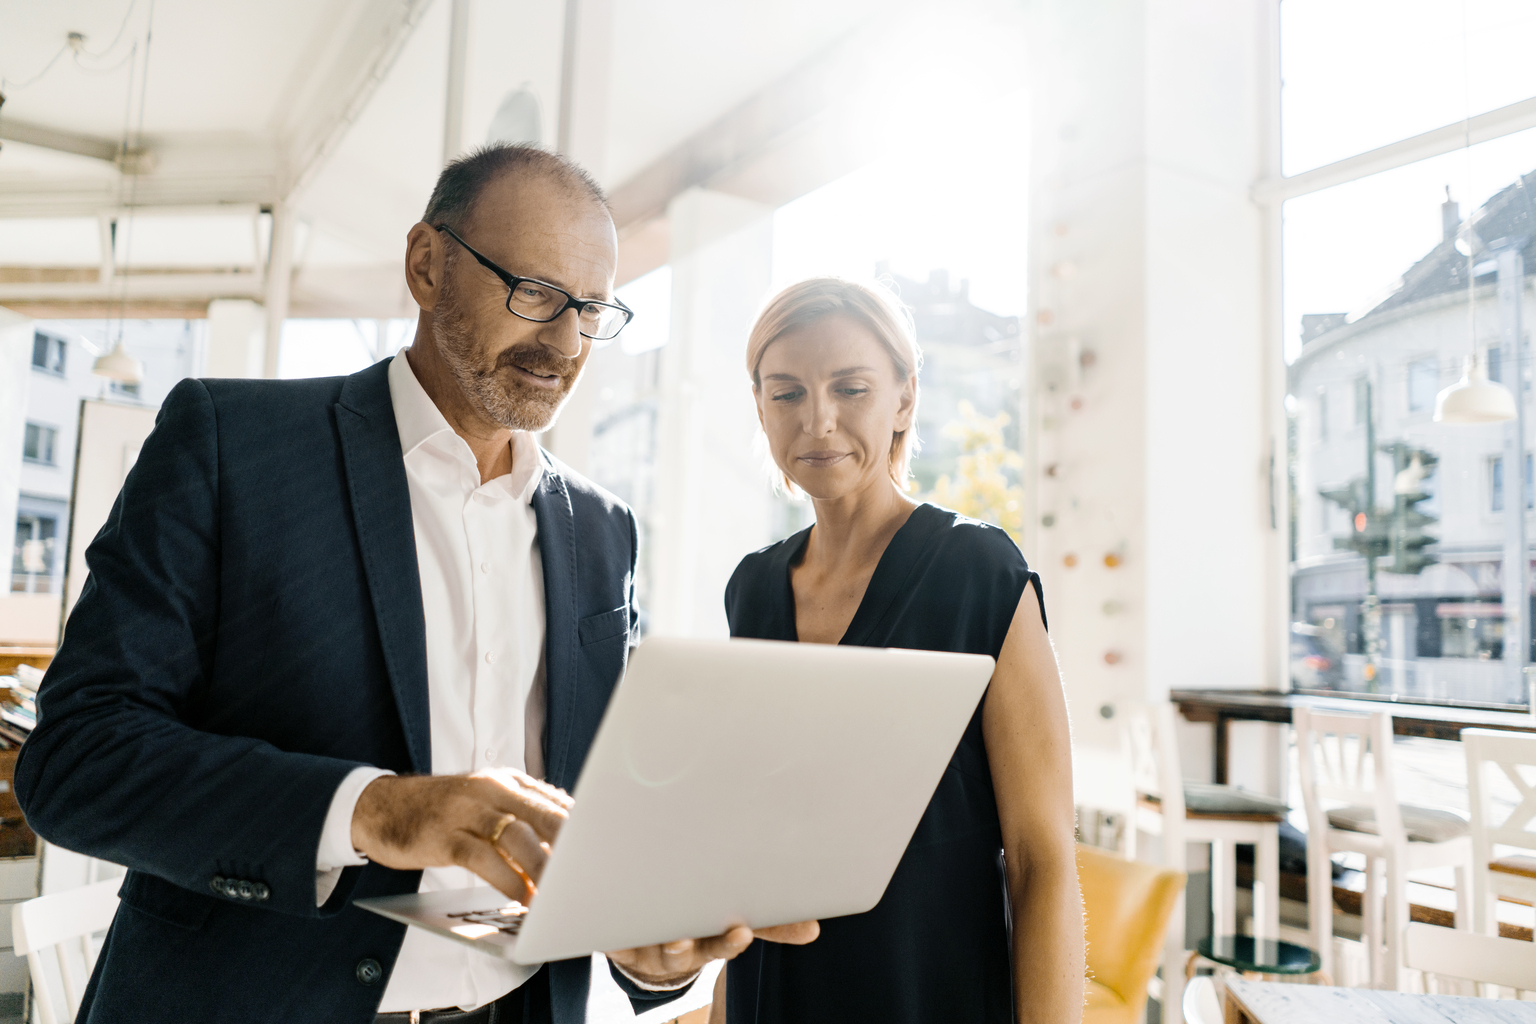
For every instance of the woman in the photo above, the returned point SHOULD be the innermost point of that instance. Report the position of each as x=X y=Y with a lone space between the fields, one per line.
x=834 y=370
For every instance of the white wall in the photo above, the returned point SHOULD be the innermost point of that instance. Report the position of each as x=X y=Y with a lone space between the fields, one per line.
x=712 y=501
x=1146 y=258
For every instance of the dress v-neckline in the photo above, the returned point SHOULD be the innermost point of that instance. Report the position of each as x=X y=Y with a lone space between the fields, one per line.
x=891 y=571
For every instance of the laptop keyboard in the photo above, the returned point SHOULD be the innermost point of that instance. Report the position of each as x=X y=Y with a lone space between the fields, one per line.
x=508 y=920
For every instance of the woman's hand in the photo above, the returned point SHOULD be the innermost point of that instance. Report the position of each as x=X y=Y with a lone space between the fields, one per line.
x=673 y=963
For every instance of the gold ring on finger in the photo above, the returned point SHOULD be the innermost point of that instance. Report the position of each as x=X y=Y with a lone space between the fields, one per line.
x=518 y=868
x=501 y=826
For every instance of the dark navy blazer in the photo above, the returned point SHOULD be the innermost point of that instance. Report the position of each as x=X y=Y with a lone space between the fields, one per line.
x=250 y=632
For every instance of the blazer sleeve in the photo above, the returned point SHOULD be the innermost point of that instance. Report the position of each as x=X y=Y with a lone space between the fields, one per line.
x=114 y=769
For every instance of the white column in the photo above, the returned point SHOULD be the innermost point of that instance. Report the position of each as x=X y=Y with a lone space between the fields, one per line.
x=1146 y=257
x=15 y=386
x=458 y=48
x=712 y=499
x=236 y=338
x=583 y=133
x=279 y=283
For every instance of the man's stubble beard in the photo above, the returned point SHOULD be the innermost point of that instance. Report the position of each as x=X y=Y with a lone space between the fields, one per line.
x=524 y=406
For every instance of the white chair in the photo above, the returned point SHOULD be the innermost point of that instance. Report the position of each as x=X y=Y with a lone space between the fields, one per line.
x=1511 y=875
x=1186 y=812
x=1202 y=1004
x=57 y=935
x=1467 y=956
x=1346 y=760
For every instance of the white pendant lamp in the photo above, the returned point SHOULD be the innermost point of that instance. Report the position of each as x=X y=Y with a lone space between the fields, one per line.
x=119 y=365
x=1474 y=398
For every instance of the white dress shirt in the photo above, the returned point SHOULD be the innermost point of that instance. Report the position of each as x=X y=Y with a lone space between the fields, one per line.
x=482 y=591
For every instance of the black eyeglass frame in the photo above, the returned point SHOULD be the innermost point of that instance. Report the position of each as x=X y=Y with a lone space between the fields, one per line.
x=512 y=280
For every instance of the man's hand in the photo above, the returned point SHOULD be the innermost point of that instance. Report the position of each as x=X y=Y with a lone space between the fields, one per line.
x=675 y=962
x=430 y=821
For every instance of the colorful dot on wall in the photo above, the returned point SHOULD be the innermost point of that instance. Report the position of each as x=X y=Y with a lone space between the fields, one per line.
x=1076 y=403
x=1052 y=469
x=1087 y=358
x=1112 y=657
x=1112 y=561
x=1048 y=520
x=1112 y=607
x=1069 y=560
x=1060 y=227
x=1045 y=317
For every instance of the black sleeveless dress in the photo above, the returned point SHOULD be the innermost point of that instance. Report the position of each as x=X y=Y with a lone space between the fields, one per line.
x=935 y=948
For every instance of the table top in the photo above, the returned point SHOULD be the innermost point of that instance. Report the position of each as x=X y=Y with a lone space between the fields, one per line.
x=1437 y=721
x=1263 y=956
x=1270 y=1002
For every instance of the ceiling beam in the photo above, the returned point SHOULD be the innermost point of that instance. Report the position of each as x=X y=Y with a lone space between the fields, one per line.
x=330 y=94
x=12 y=130
x=749 y=130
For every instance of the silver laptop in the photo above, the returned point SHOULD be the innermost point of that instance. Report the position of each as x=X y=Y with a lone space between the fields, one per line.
x=740 y=782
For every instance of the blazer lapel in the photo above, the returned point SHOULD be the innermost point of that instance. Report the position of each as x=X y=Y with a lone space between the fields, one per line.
x=557 y=552
x=381 y=511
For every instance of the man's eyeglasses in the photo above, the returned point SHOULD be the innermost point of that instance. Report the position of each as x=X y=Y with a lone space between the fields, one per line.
x=542 y=302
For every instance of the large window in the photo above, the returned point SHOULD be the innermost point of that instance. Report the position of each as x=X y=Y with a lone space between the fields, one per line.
x=1402 y=545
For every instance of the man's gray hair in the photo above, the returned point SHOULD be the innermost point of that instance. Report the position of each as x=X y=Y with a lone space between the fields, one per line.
x=462 y=181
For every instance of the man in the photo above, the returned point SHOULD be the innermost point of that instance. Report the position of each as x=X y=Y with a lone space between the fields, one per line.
x=334 y=632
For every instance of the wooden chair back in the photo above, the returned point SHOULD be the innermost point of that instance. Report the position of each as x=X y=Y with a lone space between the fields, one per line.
x=1347 y=759
x=1492 y=753
x=1156 y=775
x=58 y=936
x=1468 y=956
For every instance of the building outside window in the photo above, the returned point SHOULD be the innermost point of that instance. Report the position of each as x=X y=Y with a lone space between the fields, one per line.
x=1390 y=280
x=1423 y=383
x=38 y=444
x=48 y=352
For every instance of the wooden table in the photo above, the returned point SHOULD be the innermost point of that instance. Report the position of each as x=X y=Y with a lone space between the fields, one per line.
x=1436 y=721
x=1267 y=1002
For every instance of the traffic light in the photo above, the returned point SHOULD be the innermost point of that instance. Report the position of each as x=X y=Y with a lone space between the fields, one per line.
x=1409 y=539
x=1398 y=532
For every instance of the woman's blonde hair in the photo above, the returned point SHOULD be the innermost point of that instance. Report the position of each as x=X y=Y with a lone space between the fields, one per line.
x=872 y=305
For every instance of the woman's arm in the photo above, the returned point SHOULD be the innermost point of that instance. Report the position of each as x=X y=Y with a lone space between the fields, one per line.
x=1029 y=749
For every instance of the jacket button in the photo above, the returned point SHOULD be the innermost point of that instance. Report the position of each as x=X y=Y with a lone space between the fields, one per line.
x=261 y=891
x=246 y=890
x=369 y=972
x=216 y=883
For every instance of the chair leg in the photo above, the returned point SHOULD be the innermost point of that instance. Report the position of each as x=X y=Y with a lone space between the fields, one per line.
x=1320 y=899
x=1266 y=875
x=1464 y=901
x=1175 y=960
x=1224 y=886
x=1370 y=921
x=1396 y=921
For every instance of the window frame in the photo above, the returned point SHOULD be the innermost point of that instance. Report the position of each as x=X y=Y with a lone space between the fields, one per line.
x=1270 y=192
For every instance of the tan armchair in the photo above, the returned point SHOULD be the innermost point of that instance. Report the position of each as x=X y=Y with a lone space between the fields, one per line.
x=1126 y=905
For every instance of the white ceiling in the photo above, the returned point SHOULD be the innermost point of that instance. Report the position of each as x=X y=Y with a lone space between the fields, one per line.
x=241 y=93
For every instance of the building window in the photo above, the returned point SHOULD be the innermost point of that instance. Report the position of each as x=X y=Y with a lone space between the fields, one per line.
x=1495 y=363
x=128 y=390
x=1362 y=399
x=38 y=444
x=48 y=352
x=1423 y=383
x=1496 y=483
x=35 y=555
x=1322 y=414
